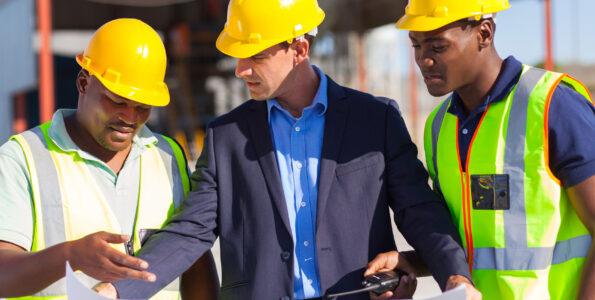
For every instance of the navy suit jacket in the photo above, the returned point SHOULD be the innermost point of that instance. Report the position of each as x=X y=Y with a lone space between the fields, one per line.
x=368 y=165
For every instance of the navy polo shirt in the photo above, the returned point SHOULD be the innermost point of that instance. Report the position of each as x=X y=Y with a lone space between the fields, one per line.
x=571 y=125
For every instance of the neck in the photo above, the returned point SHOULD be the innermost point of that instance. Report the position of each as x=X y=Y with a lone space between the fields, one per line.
x=85 y=141
x=474 y=93
x=304 y=86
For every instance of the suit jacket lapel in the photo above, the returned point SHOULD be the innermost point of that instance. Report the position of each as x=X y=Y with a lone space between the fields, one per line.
x=261 y=135
x=336 y=116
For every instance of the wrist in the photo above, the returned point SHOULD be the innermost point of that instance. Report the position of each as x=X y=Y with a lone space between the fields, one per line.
x=456 y=280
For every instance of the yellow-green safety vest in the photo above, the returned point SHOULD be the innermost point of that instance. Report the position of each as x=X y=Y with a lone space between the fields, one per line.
x=534 y=248
x=69 y=205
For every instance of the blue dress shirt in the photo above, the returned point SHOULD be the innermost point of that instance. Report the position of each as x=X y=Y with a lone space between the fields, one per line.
x=298 y=146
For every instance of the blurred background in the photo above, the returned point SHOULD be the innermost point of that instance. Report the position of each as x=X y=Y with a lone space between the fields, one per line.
x=358 y=46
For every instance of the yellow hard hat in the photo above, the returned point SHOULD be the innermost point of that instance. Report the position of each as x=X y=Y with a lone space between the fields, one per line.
x=255 y=25
x=128 y=57
x=427 y=15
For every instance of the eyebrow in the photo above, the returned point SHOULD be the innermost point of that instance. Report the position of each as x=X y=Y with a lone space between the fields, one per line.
x=428 y=40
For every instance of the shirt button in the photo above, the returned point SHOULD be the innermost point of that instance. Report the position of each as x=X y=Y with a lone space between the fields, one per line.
x=306 y=243
x=303 y=204
x=285 y=255
x=309 y=281
x=465 y=131
x=298 y=165
x=297 y=128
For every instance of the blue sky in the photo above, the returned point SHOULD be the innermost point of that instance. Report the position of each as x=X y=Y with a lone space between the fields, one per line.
x=520 y=31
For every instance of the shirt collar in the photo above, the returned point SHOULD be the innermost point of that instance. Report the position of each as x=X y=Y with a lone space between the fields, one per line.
x=320 y=99
x=505 y=82
x=57 y=132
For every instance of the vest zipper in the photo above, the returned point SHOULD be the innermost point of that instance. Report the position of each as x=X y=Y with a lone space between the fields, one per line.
x=467 y=219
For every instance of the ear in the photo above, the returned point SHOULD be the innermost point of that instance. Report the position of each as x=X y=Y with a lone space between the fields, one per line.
x=302 y=50
x=485 y=34
x=82 y=81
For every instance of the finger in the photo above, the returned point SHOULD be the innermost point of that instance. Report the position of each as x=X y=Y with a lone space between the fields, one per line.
x=124 y=272
x=122 y=259
x=114 y=238
x=386 y=295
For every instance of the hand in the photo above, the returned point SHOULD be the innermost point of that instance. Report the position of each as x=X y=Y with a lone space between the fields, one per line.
x=94 y=256
x=387 y=262
x=456 y=280
x=106 y=289
x=404 y=290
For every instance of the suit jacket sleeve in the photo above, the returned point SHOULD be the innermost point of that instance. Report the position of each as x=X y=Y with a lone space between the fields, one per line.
x=420 y=214
x=186 y=237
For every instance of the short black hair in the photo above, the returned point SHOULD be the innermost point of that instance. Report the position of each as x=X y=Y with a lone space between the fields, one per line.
x=310 y=38
x=469 y=24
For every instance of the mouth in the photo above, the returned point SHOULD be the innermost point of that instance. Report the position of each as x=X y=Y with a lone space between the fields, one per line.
x=122 y=131
x=432 y=78
x=252 y=84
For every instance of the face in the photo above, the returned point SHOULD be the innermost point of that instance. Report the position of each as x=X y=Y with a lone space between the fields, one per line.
x=446 y=57
x=111 y=120
x=267 y=74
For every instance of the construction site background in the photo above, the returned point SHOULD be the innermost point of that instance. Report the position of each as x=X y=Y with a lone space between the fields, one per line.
x=354 y=51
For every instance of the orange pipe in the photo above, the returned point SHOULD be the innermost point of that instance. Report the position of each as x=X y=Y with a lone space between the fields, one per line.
x=361 y=63
x=549 y=60
x=46 y=64
x=413 y=92
x=20 y=113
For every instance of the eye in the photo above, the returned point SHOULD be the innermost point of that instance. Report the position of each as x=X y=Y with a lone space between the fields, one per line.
x=439 y=48
x=116 y=102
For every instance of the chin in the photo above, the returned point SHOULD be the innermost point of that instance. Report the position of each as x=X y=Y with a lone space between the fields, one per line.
x=438 y=92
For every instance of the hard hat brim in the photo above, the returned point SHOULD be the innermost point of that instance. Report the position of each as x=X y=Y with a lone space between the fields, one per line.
x=423 y=23
x=156 y=97
x=241 y=49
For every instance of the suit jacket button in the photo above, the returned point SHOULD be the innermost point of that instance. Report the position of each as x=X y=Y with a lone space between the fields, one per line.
x=284 y=297
x=285 y=255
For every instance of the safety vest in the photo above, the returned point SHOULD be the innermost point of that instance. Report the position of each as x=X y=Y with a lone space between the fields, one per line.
x=522 y=236
x=69 y=205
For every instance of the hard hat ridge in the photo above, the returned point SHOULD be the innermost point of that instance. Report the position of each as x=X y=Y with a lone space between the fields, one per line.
x=255 y=25
x=128 y=57
x=427 y=15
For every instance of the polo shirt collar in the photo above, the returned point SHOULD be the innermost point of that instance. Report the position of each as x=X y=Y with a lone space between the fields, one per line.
x=505 y=82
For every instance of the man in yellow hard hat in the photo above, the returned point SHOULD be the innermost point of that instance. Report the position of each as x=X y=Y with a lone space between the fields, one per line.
x=298 y=182
x=511 y=150
x=89 y=186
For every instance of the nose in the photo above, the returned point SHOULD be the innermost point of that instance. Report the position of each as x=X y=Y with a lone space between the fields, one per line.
x=423 y=59
x=128 y=114
x=243 y=68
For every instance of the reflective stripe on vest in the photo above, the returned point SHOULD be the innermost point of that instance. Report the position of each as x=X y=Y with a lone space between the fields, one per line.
x=161 y=164
x=514 y=254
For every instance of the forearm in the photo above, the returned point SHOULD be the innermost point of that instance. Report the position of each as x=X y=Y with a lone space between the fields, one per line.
x=428 y=228
x=25 y=273
x=416 y=263
x=586 y=287
x=201 y=280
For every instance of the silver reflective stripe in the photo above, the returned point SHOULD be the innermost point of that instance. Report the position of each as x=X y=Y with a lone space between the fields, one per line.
x=436 y=125
x=515 y=218
x=172 y=167
x=171 y=164
x=537 y=258
x=517 y=255
x=49 y=188
x=51 y=202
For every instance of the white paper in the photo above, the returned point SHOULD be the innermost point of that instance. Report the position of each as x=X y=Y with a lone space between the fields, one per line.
x=458 y=293
x=76 y=290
